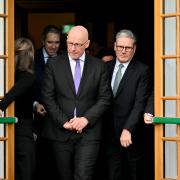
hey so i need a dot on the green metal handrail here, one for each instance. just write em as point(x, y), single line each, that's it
point(166, 120)
point(8, 120)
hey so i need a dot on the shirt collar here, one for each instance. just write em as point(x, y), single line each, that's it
point(82, 58)
point(125, 64)
point(45, 54)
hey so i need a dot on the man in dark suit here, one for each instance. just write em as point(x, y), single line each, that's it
point(73, 124)
point(126, 114)
point(50, 45)
point(50, 38)
point(148, 119)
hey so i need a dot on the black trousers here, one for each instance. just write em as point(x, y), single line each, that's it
point(24, 158)
point(124, 163)
point(75, 159)
point(45, 164)
point(44, 161)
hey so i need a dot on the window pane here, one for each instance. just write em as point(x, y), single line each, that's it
point(169, 6)
point(169, 36)
point(2, 6)
point(170, 159)
point(170, 130)
point(2, 160)
point(170, 111)
point(170, 85)
point(169, 108)
point(2, 132)
point(2, 35)
point(2, 77)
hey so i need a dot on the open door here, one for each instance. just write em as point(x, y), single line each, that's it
point(167, 88)
point(6, 82)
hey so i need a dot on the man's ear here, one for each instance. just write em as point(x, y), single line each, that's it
point(88, 43)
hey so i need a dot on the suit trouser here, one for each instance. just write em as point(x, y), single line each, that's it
point(24, 158)
point(76, 158)
point(124, 163)
point(44, 161)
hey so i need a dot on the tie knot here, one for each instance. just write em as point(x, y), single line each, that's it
point(121, 66)
point(77, 61)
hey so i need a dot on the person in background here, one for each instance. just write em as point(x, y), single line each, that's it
point(94, 48)
point(75, 94)
point(50, 45)
point(50, 38)
point(22, 94)
point(149, 133)
point(149, 110)
point(130, 84)
point(106, 54)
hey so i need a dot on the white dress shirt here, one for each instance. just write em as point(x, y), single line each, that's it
point(73, 64)
point(116, 67)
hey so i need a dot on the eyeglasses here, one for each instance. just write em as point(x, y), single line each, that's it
point(76, 45)
point(126, 48)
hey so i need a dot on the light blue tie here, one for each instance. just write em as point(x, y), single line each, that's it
point(117, 79)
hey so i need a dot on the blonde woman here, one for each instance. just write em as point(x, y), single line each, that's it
point(22, 94)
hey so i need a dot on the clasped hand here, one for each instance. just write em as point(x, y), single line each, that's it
point(76, 124)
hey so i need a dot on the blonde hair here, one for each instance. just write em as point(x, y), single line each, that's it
point(24, 54)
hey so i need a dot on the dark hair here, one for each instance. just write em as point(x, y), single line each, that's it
point(24, 54)
point(106, 52)
point(50, 29)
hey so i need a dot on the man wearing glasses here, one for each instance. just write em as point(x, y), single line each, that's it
point(129, 84)
point(76, 93)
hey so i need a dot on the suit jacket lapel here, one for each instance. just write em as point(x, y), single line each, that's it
point(39, 58)
point(86, 71)
point(68, 73)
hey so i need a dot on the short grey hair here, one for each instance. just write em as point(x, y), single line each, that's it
point(126, 33)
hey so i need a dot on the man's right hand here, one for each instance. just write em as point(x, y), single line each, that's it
point(40, 109)
point(148, 118)
point(67, 125)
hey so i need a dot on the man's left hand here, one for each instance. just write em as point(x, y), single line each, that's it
point(78, 123)
point(125, 138)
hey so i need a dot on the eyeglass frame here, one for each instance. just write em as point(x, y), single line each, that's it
point(127, 48)
point(76, 45)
